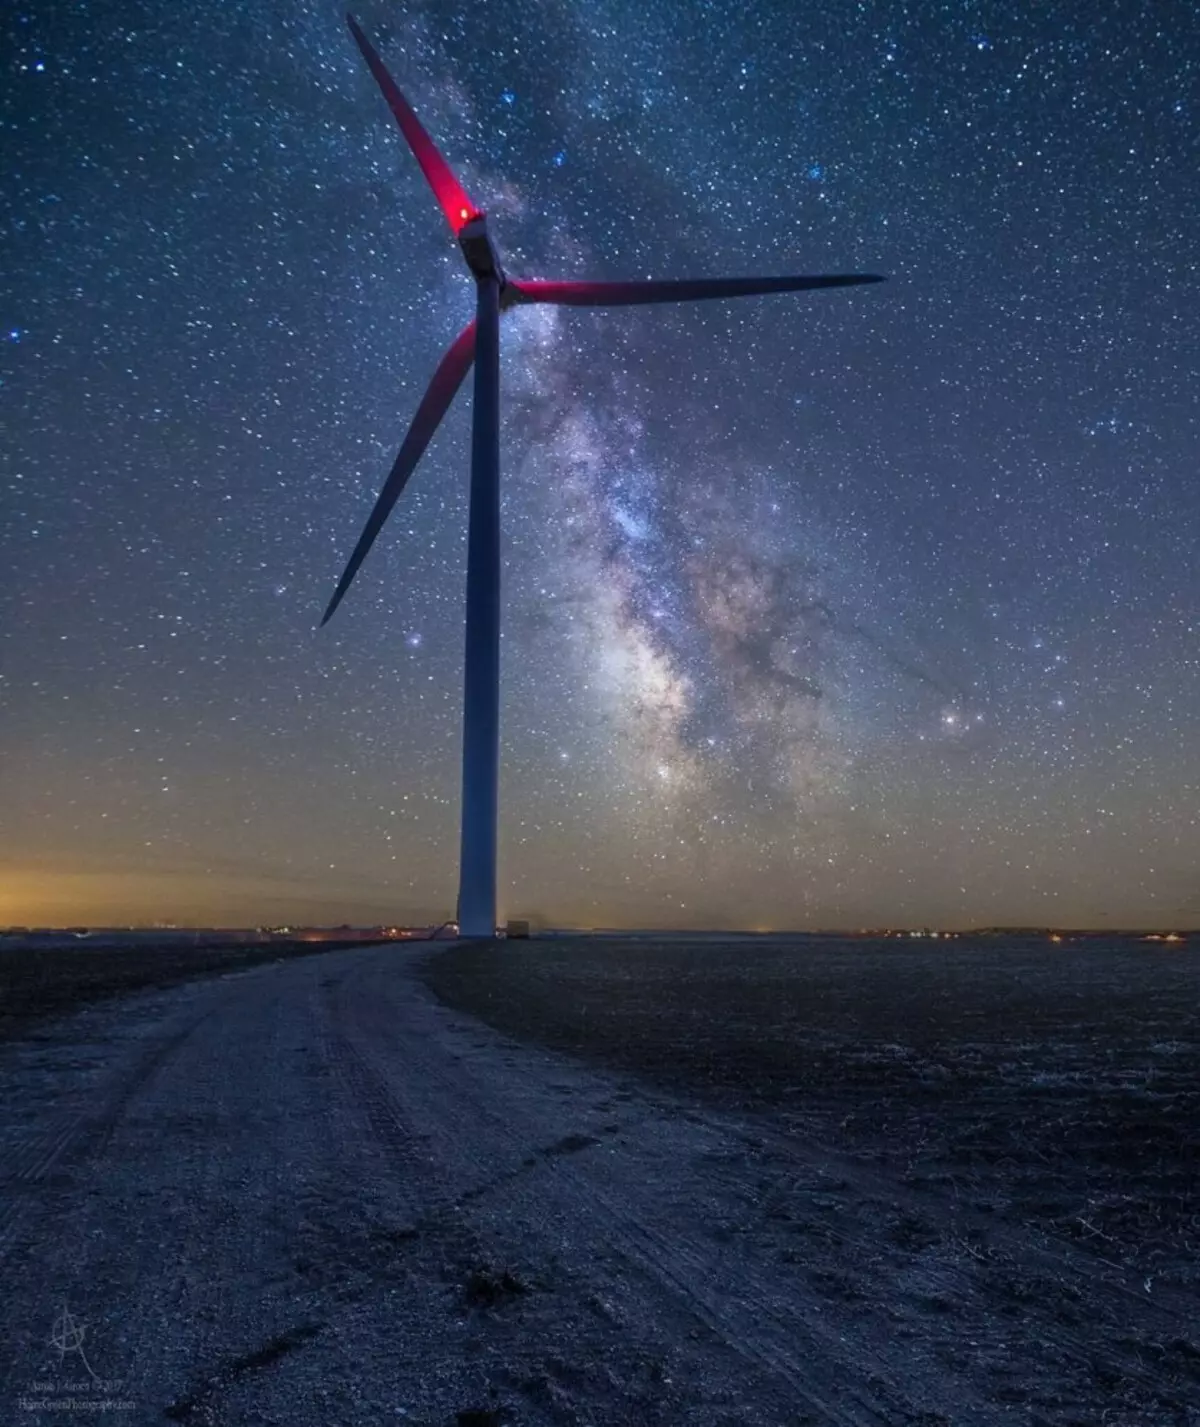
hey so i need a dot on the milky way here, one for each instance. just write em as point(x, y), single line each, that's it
point(831, 608)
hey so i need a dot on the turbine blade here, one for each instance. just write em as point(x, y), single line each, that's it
point(438, 396)
point(620, 294)
point(449, 193)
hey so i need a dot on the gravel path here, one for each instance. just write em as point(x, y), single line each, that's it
point(312, 1193)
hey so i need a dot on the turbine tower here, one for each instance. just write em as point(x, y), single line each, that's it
point(479, 342)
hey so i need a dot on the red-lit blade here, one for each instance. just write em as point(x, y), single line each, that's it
point(455, 204)
point(440, 393)
point(619, 294)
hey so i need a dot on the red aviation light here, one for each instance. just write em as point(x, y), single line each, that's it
point(455, 204)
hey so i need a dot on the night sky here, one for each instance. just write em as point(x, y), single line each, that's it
point(821, 610)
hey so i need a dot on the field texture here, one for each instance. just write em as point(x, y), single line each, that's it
point(37, 983)
point(670, 1185)
point(1045, 1097)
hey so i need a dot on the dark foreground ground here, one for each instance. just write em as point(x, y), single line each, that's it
point(1051, 1091)
point(668, 1186)
point(1057, 1083)
point(38, 983)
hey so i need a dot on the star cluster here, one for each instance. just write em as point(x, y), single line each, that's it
point(839, 608)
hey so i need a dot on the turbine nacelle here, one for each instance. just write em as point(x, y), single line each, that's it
point(479, 250)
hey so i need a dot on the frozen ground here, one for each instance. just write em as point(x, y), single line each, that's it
point(314, 1193)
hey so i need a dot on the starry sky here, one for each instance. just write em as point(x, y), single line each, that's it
point(831, 609)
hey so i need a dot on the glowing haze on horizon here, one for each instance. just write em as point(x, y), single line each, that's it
point(836, 609)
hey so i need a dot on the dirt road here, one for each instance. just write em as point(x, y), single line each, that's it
point(311, 1194)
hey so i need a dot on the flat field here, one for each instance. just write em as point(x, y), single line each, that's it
point(1057, 1082)
point(38, 983)
point(720, 1184)
point(1049, 1092)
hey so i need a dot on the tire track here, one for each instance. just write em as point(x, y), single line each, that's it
point(757, 1316)
point(1062, 1264)
point(78, 1138)
point(435, 1210)
point(779, 1334)
point(1044, 1252)
point(199, 1152)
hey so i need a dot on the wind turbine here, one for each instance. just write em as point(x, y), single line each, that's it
point(479, 342)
